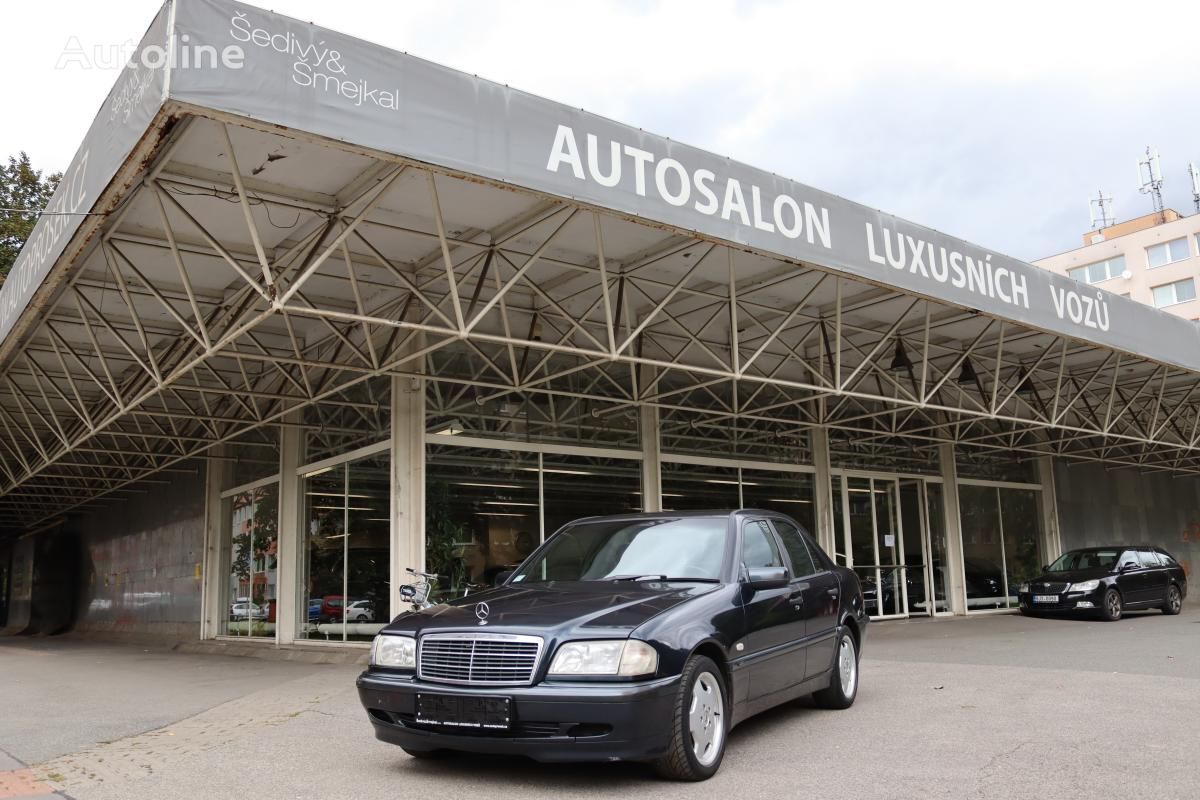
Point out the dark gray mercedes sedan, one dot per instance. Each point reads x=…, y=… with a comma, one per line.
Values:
x=644, y=637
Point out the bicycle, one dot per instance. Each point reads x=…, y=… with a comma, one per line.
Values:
x=417, y=593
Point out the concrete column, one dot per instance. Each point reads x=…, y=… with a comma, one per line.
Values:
x=290, y=585
x=823, y=491
x=408, y=482
x=952, y=520
x=216, y=556
x=651, y=441
x=1050, y=544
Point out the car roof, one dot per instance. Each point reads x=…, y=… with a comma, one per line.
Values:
x=709, y=513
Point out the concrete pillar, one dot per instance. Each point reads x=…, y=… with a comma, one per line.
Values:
x=408, y=482
x=215, y=565
x=952, y=521
x=290, y=587
x=823, y=491
x=1050, y=544
x=651, y=441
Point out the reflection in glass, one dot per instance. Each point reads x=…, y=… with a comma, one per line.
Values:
x=579, y=486
x=940, y=575
x=347, y=550
x=789, y=493
x=912, y=515
x=983, y=547
x=481, y=515
x=695, y=487
x=253, y=561
x=1022, y=524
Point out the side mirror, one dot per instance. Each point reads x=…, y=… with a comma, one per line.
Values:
x=502, y=577
x=761, y=578
x=1128, y=565
x=1045, y=567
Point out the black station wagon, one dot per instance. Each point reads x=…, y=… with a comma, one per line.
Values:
x=644, y=637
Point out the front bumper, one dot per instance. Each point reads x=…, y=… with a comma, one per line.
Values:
x=551, y=721
x=1066, y=602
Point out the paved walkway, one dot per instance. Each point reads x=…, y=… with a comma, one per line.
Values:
x=986, y=707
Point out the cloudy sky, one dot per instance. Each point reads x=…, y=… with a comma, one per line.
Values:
x=995, y=123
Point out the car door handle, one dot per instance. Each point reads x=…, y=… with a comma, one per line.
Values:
x=831, y=592
x=797, y=595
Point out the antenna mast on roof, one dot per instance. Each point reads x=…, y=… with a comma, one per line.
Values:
x=1151, y=180
x=1101, y=210
x=1195, y=176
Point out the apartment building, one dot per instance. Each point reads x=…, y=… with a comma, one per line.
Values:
x=1153, y=259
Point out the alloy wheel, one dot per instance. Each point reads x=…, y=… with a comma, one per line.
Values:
x=1114, y=604
x=1174, y=599
x=847, y=667
x=706, y=719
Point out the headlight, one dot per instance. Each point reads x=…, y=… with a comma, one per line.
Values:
x=1023, y=588
x=1085, y=586
x=397, y=652
x=625, y=657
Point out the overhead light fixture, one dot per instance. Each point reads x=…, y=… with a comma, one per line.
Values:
x=557, y=471
x=728, y=482
x=453, y=428
x=786, y=500
x=487, y=485
x=900, y=360
x=1026, y=385
x=320, y=471
x=967, y=375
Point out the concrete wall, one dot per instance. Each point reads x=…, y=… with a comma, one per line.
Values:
x=1100, y=507
x=141, y=560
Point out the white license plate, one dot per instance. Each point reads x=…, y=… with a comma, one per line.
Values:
x=1045, y=598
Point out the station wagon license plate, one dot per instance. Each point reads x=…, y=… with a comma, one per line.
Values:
x=464, y=711
x=1045, y=598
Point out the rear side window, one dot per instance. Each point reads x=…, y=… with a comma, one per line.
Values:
x=758, y=546
x=1149, y=559
x=797, y=549
x=1167, y=560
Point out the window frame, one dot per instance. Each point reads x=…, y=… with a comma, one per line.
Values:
x=1108, y=268
x=1174, y=291
x=1167, y=246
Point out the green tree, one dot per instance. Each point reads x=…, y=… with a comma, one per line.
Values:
x=21, y=187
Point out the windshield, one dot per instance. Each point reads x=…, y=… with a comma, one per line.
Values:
x=650, y=549
x=1086, y=559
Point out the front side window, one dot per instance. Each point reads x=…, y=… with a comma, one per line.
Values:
x=1164, y=253
x=681, y=549
x=1171, y=293
x=758, y=546
x=803, y=562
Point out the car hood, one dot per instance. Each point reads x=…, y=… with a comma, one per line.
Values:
x=554, y=609
x=1070, y=576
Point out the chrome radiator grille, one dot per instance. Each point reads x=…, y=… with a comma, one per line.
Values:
x=1038, y=587
x=481, y=659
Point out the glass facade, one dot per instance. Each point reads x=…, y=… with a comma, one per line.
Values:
x=1000, y=531
x=252, y=578
x=489, y=504
x=346, y=551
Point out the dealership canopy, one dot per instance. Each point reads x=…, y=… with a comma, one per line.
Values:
x=266, y=214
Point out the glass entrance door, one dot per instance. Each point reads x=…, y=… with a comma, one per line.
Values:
x=883, y=534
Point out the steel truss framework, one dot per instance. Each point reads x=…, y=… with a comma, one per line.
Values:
x=250, y=274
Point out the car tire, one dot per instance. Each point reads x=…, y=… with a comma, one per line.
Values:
x=424, y=755
x=700, y=720
x=361, y=618
x=1174, y=603
x=843, y=678
x=1111, y=606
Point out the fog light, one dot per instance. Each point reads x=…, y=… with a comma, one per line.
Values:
x=1084, y=604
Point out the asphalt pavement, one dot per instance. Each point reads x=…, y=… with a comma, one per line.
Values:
x=995, y=706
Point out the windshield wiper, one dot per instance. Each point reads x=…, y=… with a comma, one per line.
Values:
x=627, y=578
